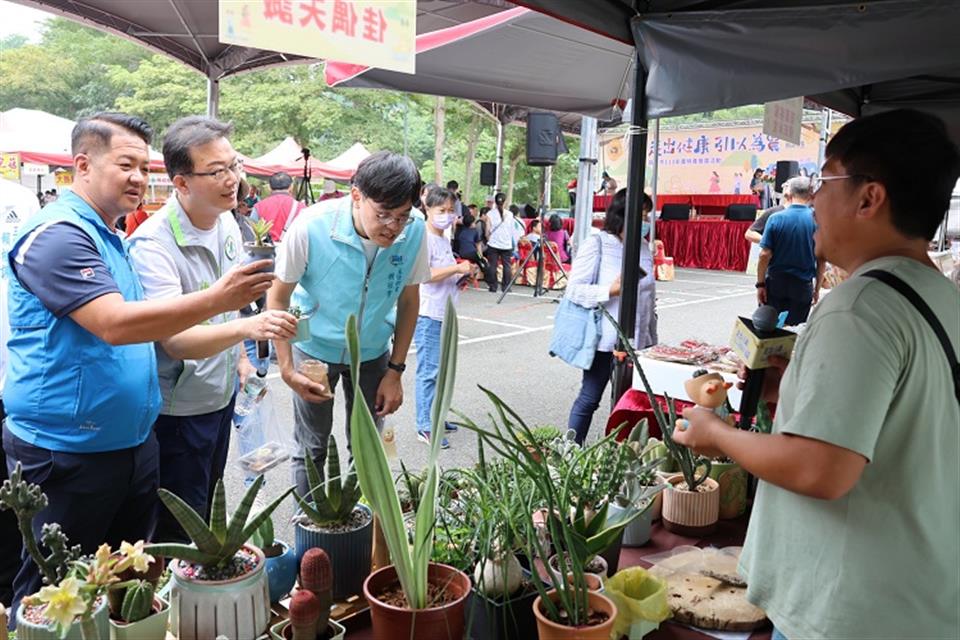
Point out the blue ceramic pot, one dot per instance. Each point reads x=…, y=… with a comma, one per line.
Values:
x=282, y=573
x=349, y=554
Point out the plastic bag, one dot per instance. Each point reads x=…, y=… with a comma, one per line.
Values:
x=262, y=442
x=641, y=600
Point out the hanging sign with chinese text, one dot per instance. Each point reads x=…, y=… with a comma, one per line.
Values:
x=373, y=33
x=782, y=119
x=10, y=166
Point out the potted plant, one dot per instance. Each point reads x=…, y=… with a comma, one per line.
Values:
x=412, y=597
x=333, y=520
x=691, y=504
x=303, y=322
x=565, y=607
x=540, y=439
x=281, y=561
x=309, y=608
x=219, y=583
x=35, y=619
x=638, y=478
x=137, y=612
x=732, y=480
x=262, y=246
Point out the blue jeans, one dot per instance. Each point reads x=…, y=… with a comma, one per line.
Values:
x=595, y=380
x=427, y=338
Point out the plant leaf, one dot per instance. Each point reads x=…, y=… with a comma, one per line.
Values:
x=190, y=520
x=218, y=512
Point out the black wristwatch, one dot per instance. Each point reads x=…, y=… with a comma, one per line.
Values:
x=399, y=368
x=761, y=285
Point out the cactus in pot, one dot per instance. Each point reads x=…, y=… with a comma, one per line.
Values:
x=305, y=613
x=137, y=601
x=316, y=576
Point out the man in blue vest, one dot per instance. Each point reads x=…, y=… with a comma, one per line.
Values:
x=186, y=246
x=81, y=391
x=362, y=255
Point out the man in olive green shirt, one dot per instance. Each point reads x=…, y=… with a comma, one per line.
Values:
x=854, y=532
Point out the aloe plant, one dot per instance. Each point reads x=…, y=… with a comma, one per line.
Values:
x=261, y=232
x=214, y=543
x=688, y=461
x=377, y=482
x=334, y=501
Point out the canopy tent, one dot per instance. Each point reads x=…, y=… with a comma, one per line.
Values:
x=187, y=30
x=44, y=138
x=288, y=158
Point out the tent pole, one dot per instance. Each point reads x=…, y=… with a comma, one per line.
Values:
x=501, y=139
x=824, y=135
x=213, y=96
x=630, y=276
x=586, y=174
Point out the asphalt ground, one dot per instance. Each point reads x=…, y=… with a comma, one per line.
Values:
x=504, y=348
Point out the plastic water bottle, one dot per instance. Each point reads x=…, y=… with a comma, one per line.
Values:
x=251, y=394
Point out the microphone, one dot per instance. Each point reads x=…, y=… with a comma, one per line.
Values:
x=755, y=340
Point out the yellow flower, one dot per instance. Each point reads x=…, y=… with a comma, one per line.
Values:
x=136, y=555
x=64, y=602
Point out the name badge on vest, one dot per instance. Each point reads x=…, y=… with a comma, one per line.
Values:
x=230, y=248
x=396, y=260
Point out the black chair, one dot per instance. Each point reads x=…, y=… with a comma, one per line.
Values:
x=675, y=212
x=741, y=212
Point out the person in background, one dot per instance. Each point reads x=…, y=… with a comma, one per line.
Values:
x=756, y=183
x=330, y=191
x=755, y=232
x=558, y=235
x=443, y=285
x=533, y=235
x=788, y=272
x=861, y=465
x=602, y=254
x=279, y=207
x=499, y=243
x=483, y=225
x=81, y=391
x=135, y=218
x=186, y=247
x=468, y=244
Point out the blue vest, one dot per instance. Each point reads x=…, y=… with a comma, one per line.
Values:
x=66, y=389
x=337, y=283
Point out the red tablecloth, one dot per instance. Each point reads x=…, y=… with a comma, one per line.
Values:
x=707, y=204
x=706, y=244
x=601, y=202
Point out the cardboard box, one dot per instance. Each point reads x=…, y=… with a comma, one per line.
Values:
x=755, y=352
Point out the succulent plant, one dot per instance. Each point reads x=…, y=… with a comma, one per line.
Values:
x=304, y=615
x=214, y=543
x=26, y=500
x=137, y=601
x=261, y=232
x=335, y=500
x=316, y=576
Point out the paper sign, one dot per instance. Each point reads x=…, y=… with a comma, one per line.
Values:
x=35, y=169
x=63, y=178
x=10, y=166
x=374, y=33
x=781, y=119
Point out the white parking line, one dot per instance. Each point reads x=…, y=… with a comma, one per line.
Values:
x=713, y=283
x=496, y=322
x=714, y=299
x=509, y=334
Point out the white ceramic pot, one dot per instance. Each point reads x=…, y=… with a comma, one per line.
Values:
x=238, y=608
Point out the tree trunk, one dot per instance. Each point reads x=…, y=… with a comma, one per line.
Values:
x=438, y=127
x=513, y=172
x=471, y=155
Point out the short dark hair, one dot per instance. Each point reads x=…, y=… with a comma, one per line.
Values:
x=185, y=134
x=911, y=154
x=389, y=179
x=514, y=209
x=453, y=185
x=436, y=196
x=556, y=224
x=280, y=181
x=534, y=223
x=94, y=133
x=484, y=210
x=468, y=220
x=472, y=206
x=617, y=211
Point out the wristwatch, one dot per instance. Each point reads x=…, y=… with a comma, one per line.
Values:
x=761, y=285
x=399, y=368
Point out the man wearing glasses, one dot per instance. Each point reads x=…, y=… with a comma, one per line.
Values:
x=859, y=476
x=81, y=390
x=361, y=255
x=185, y=247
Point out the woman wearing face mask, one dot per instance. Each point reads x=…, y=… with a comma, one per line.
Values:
x=594, y=279
x=445, y=275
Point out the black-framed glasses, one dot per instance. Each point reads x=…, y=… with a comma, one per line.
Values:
x=220, y=175
x=817, y=183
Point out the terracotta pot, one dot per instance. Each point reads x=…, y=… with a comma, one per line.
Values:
x=733, y=488
x=691, y=513
x=446, y=622
x=550, y=630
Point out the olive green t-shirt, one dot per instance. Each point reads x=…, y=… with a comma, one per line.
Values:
x=883, y=561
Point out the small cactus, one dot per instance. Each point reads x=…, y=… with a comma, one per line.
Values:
x=305, y=614
x=137, y=601
x=316, y=576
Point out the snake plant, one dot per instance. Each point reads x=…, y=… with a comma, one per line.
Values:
x=261, y=232
x=375, y=477
x=335, y=500
x=214, y=543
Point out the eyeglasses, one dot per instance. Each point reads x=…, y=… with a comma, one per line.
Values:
x=389, y=221
x=220, y=175
x=817, y=182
